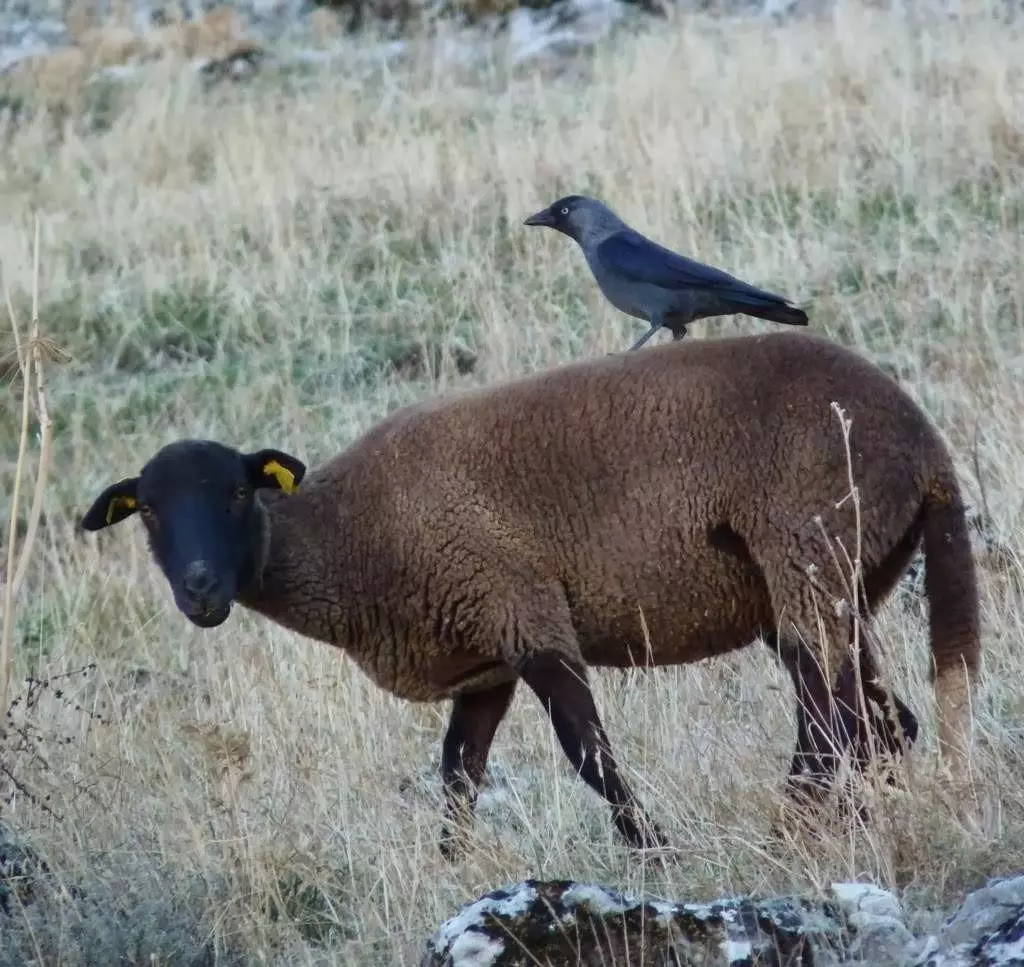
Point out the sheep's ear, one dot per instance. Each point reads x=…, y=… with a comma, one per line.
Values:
x=112, y=506
x=274, y=469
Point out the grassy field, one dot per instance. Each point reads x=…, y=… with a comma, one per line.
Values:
x=284, y=262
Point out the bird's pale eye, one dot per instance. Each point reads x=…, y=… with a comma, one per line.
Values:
x=565, y=211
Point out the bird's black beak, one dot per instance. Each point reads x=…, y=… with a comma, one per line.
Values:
x=543, y=217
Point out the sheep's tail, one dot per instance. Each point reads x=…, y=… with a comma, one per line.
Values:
x=951, y=587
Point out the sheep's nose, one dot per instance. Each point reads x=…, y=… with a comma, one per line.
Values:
x=199, y=579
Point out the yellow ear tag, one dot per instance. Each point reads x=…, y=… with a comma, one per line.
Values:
x=120, y=503
x=282, y=475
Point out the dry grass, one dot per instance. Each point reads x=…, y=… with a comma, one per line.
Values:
x=65, y=81
x=266, y=266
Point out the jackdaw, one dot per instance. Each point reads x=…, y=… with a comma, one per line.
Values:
x=647, y=281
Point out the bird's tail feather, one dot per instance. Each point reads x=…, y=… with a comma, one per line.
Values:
x=773, y=311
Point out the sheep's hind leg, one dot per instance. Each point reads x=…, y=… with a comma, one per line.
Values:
x=812, y=638
x=563, y=690
x=823, y=721
x=823, y=737
x=894, y=727
x=474, y=719
x=874, y=723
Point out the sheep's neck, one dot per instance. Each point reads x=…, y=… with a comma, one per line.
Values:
x=296, y=585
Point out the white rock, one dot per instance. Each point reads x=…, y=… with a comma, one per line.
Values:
x=865, y=900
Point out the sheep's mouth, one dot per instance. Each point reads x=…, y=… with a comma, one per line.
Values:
x=209, y=615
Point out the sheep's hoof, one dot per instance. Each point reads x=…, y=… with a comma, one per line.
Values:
x=655, y=852
x=893, y=739
x=657, y=857
x=796, y=815
x=808, y=785
x=454, y=843
x=642, y=834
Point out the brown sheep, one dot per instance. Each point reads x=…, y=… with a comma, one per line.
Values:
x=516, y=532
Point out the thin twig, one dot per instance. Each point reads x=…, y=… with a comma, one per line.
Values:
x=7, y=632
x=45, y=435
x=30, y=357
x=986, y=519
x=856, y=579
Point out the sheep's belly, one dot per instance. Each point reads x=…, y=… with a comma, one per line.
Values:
x=448, y=674
x=672, y=638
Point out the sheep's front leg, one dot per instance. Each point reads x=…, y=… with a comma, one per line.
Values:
x=563, y=690
x=474, y=720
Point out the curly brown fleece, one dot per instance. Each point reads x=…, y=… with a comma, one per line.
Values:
x=519, y=530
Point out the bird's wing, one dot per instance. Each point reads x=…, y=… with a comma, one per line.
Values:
x=641, y=260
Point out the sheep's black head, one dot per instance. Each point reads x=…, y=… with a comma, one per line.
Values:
x=196, y=499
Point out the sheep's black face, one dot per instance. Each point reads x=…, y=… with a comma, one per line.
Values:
x=197, y=501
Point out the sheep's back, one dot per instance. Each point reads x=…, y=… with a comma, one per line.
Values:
x=640, y=481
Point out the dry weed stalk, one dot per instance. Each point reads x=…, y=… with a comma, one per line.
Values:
x=849, y=566
x=23, y=738
x=853, y=575
x=30, y=363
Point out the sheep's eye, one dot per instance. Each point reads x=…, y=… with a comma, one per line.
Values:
x=565, y=211
x=147, y=512
x=241, y=493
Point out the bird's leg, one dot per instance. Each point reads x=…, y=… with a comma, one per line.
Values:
x=655, y=326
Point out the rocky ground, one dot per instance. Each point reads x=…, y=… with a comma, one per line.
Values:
x=561, y=923
x=558, y=923
x=113, y=37
x=240, y=36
